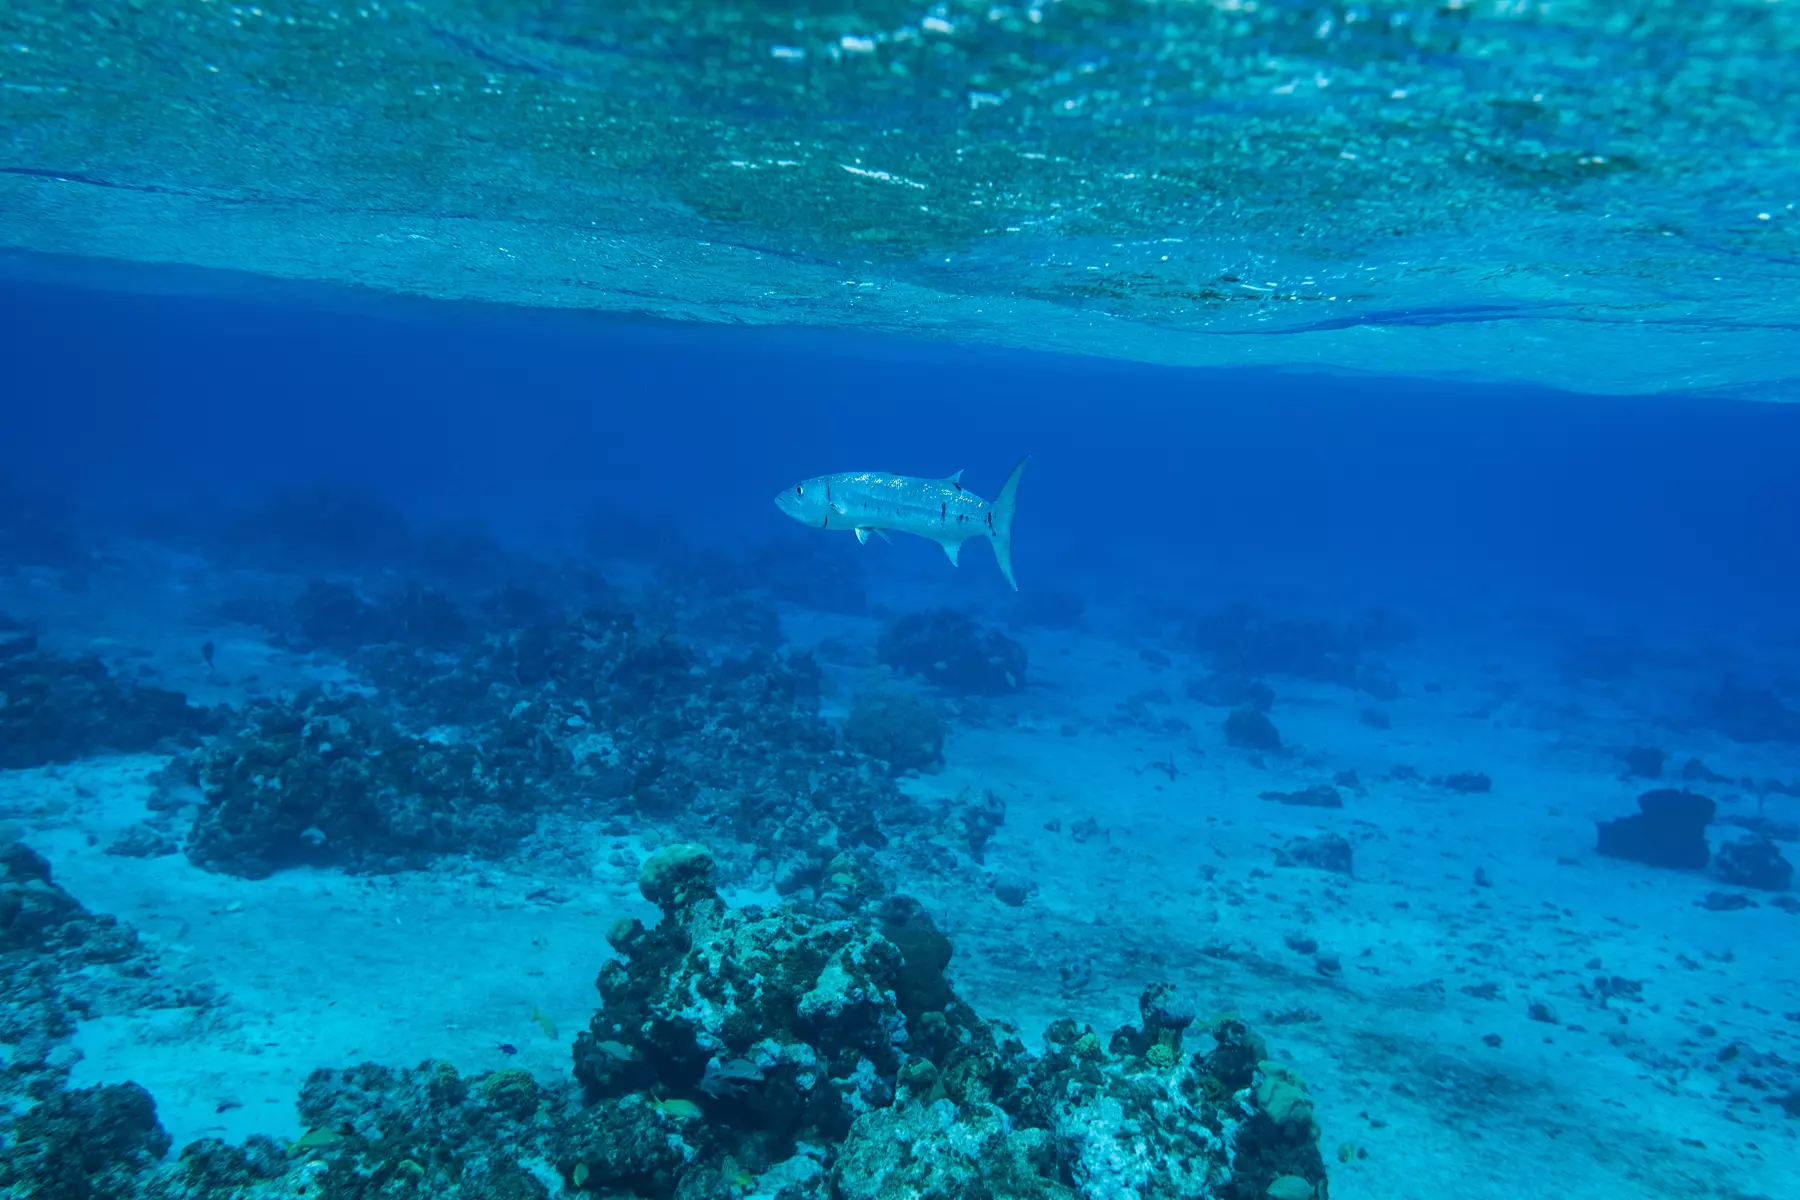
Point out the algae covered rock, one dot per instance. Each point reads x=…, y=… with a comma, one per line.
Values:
x=677, y=875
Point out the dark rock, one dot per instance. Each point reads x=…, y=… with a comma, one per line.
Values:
x=1668, y=831
x=1695, y=771
x=1466, y=782
x=1754, y=862
x=1248, y=729
x=1319, y=796
x=1724, y=902
x=1375, y=718
x=1327, y=852
x=55, y=709
x=1012, y=890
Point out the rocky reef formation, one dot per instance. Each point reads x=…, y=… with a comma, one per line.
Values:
x=592, y=711
x=55, y=708
x=60, y=963
x=331, y=780
x=953, y=651
x=736, y=1053
x=898, y=729
x=806, y=1057
x=1668, y=830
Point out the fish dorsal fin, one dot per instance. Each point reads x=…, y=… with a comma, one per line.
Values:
x=955, y=481
x=951, y=550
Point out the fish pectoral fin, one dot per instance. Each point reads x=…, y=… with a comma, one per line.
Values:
x=863, y=532
x=837, y=506
x=951, y=550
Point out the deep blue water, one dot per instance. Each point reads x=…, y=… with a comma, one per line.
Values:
x=1344, y=487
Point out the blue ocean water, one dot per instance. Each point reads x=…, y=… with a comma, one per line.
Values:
x=368, y=673
x=432, y=763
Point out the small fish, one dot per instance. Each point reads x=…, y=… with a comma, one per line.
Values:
x=939, y=510
x=544, y=1022
x=317, y=1138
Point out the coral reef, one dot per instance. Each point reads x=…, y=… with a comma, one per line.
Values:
x=735, y=1052
x=332, y=780
x=953, y=651
x=59, y=964
x=898, y=729
x=57, y=709
x=547, y=709
x=833, y=1056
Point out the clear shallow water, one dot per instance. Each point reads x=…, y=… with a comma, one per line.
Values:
x=1384, y=784
x=1586, y=196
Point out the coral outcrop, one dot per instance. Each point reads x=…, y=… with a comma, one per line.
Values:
x=953, y=651
x=761, y=1052
x=832, y=1058
x=898, y=729
x=54, y=708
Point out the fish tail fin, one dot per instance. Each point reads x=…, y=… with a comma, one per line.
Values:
x=1004, y=505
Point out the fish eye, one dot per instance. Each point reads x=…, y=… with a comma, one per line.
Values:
x=799, y=491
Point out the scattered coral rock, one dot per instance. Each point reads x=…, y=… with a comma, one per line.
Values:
x=1669, y=830
x=1754, y=862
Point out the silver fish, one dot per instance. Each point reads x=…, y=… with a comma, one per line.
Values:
x=939, y=510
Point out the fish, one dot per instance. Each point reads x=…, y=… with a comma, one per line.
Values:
x=938, y=510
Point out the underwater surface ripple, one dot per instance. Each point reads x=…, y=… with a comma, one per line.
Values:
x=1129, y=179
